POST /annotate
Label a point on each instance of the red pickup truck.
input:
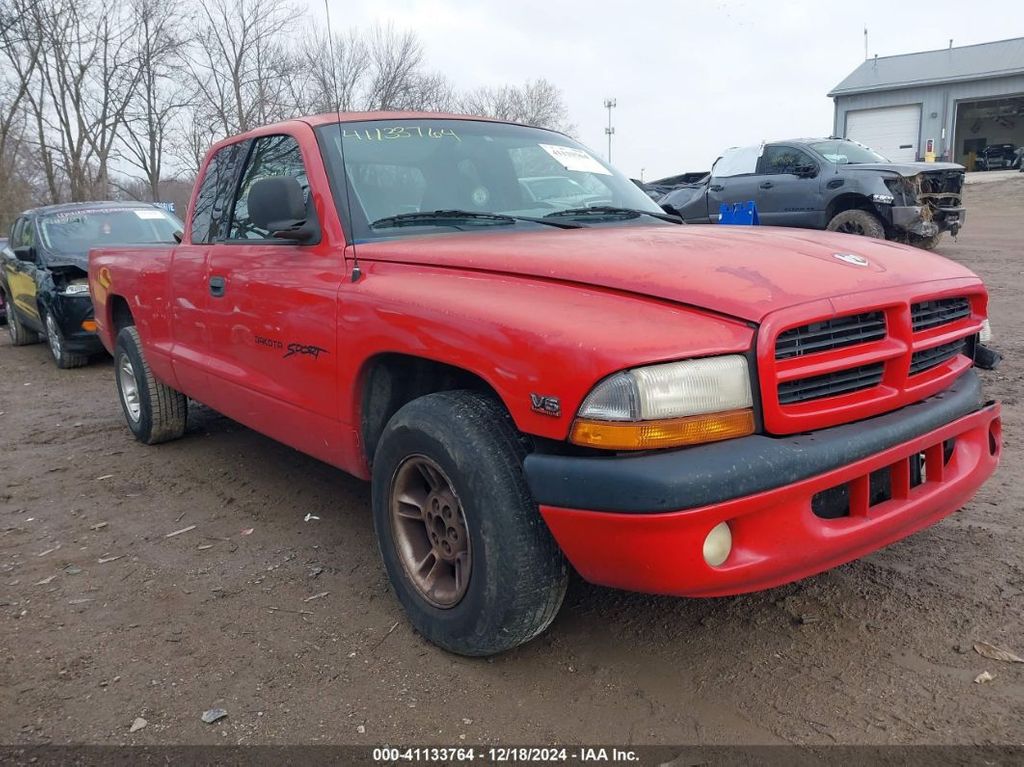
(536, 367)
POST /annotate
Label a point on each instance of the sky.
(690, 78)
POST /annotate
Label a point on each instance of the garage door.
(891, 131)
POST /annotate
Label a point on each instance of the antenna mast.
(610, 104)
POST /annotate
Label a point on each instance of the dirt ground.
(292, 629)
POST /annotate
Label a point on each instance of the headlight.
(76, 289)
(985, 336)
(670, 405)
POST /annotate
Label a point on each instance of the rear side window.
(215, 195)
(271, 156)
(738, 161)
(783, 159)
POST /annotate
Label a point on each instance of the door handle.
(767, 185)
(716, 187)
(217, 286)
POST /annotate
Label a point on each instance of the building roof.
(970, 62)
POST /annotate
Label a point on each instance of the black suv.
(43, 269)
(833, 184)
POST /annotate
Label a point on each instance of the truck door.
(733, 179)
(189, 272)
(272, 314)
(789, 188)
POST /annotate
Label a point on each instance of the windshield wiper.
(611, 210)
(445, 217)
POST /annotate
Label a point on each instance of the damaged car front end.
(921, 206)
(43, 270)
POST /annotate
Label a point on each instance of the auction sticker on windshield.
(572, 158)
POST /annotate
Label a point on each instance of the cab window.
(270, 156)
(215, 195)
(778, 160)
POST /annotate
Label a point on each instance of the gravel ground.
(290, 626)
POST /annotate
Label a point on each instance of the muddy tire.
(58, 348)
(466, 550)
(926, 243)
(857, 222)
(20, 335)
(154, 411)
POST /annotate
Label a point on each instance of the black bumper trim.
(700, 476)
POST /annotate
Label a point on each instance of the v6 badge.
(545, 404)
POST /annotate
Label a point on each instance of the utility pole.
(609, 104)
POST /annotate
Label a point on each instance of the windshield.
(846, 152)
(402, 167)
(76, 231)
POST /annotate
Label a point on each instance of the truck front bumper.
(795, 506)
(916, 219)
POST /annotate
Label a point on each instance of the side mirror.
(25, 253)
(178, 236)
(277, 204)
(806, 171)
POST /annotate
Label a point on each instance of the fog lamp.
(718, 544)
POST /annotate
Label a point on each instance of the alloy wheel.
(430, 532)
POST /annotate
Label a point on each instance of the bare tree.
(77, 92)
(91, 89)
(536, 102)
(241, 65)
(331, 73)
(22, 58)
(161, 95)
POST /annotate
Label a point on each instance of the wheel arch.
(119, 314)
(848, 201)
(389, 380)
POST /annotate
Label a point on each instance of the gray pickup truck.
(833, 184)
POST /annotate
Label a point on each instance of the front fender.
(534, 341)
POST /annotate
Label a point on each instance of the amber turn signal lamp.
(89, 325)
(670, 432)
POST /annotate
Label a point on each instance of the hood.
(744, 272)
(81, 260)
(906, 168)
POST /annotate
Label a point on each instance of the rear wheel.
(20, 335)
(463, 543)
(58, 347)
(154, 411)
(859, 222)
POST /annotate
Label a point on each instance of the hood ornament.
(851, 258)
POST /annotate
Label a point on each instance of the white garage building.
(963, 99)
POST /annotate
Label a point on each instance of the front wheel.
(58, 347)
(154, 411)
(462, 540)
(857, 221)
